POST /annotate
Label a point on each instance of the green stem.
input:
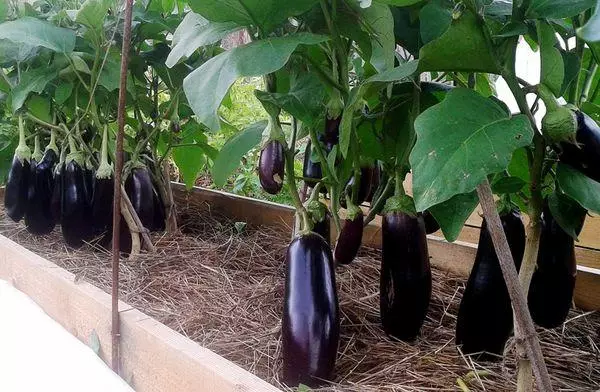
(52, 145)
(548, 97)
(22, 152)
(326, 77)
(42, 122)
(589, 78)
(334, 190)
(37, 150)
(380, 202)
(399, 187)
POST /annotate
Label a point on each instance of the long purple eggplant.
(311, 322)
(350, 237)
(431, 225)
(271, 167)
(553, 282)
(405, 284)
(141, 192)
(485, 318)
(39, 218)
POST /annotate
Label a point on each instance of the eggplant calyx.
(400, 203)
(316, 210)
(273, 132)
(560, 125)
(52, 145)
(335, 106)
(353, 212)
(22, 152)
(104, 171)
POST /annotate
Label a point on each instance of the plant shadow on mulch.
(221, 285)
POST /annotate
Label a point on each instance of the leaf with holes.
(459, 142)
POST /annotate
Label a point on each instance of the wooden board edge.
(154, 357)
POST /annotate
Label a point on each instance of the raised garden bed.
(221, 284)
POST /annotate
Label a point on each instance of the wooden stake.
(117, 189)
(511, 277)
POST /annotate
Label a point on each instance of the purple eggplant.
(375, 182)
(405, 284)
(75, 224)
(350, 237)
(271, 167)
(39, 218)
(141, 193)
(332, 131)
(311, 170)
(585, 156)
(485, 318)
(159, 221)
(311, 322)
(365, 188)
(17, 187)
(57, 191)
(553, 282)
(431, 225)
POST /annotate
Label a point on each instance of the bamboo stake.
(517, 297)
(115, 333)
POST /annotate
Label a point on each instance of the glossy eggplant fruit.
(365, 188)
(311, 323)
(405, 282)
(141, 194)
(586, 155)
(311, 171)
(553, 282)
(39, 218)
(57, 192)
(323, 228)
(431, 225)
(332, 131)
(485, 317)
(17, 188)
(89, 176)
(271, 167)
(375, 181)
(349, 240)
(75, 224)
(102, 204)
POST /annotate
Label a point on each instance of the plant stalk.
(589, 78)
(528, 336)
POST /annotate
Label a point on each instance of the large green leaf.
(34, 80)
(452, 214)
(553, 67)
(459, 142)
(355, 101)
(463, 47)
(40, 107)
(381, 22)
(436, 17)
(194, 32)
(557, 9)
(34, 32)
(265, 14)
(92, 14)
(233, 150)
(15, 52)
(207, 85)
(190, 158)
(567, 212)
(579, 187)
(304, 100)
(591, 31)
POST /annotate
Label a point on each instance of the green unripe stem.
(105, 169)
(22, 152)
(52, 145)
(74, 154)
(37, 150)
(548, 98)
(379, 203)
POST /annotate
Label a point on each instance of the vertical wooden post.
(115, 333)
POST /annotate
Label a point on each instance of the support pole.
(115, 333)
(511, 277)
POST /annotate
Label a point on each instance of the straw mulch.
(222, 286)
